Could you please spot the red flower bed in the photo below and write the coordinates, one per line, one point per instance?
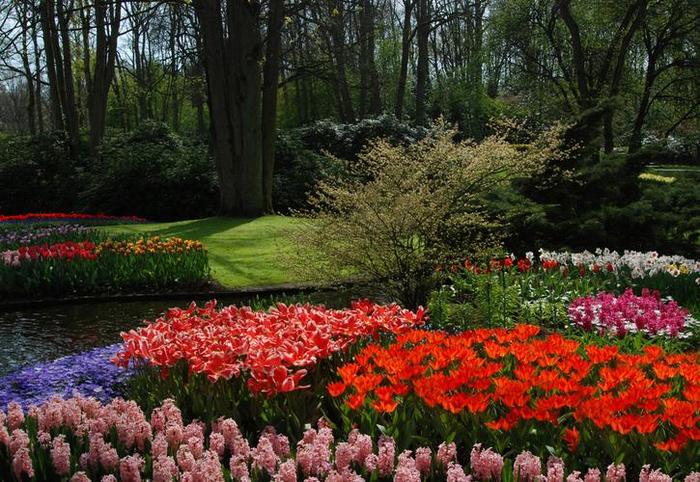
(273, 349)
(508, 377)
(50, 217)
(69, 250)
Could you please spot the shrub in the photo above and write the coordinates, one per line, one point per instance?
(416, 205)
(151, 172)
(38, 174)
(325, 149)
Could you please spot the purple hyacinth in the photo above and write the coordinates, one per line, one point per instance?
(89, 373)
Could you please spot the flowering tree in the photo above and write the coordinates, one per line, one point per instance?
(410, 207)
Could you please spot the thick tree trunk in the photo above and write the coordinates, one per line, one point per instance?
(100, 81)
(48, 26)
(338, 48)
(233, 81)
(423, 33)
(405, 52)
(271, 73)
(67, 86)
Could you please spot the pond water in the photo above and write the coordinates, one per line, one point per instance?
(28, 336)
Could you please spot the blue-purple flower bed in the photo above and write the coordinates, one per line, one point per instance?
(90, 373)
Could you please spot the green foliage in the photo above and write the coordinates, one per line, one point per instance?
(602, 204)
(413, 207)
(325, 149)
(38, 174)
(151, 172)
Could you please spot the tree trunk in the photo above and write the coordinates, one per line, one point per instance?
(370, 99)
(271, 71)
(37, 83)
(423, 33)
(233, 81)
(67, 86)
(338, 47)
(48, 26)
(105, 57)
(405, 52)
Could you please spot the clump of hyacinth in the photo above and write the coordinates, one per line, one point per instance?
(80, 439)
(629, 313)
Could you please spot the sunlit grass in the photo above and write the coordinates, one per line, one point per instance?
(242, 252)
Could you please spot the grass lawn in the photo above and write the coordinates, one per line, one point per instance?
(242, 252)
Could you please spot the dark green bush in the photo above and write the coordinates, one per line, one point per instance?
(605, 205)
(301, 159)
(151, 172)
(38, 174)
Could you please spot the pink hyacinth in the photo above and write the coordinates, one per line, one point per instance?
(385, 457)
(165, 469)
(615, 473)
(343, 456)
(196, 446)
(235, 441)
(185, 459)
(18, 441)
(485, 464)
(80, 477)
(455, 473)
(15, 416)
(527, 466)
(206, 469)
(314, 451)
(174, 434)
(264, 456)
(217, 443)
(574, 476)
(110, 478)
(130, 468)
(22, 464)
(371, 462)
(693, 476)
(159, 446)
(593, 475)
(424, 459)
(239, 468)
(362, 445)
(555, 469)
(287, 472)
(4, 436)
(446, 453)
(406, 470)
(628, 312)
(60, 455)
(648, 475)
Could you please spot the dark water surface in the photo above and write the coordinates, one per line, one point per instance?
(28, 336)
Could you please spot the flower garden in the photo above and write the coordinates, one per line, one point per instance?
(61, 254)
(563, 366)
